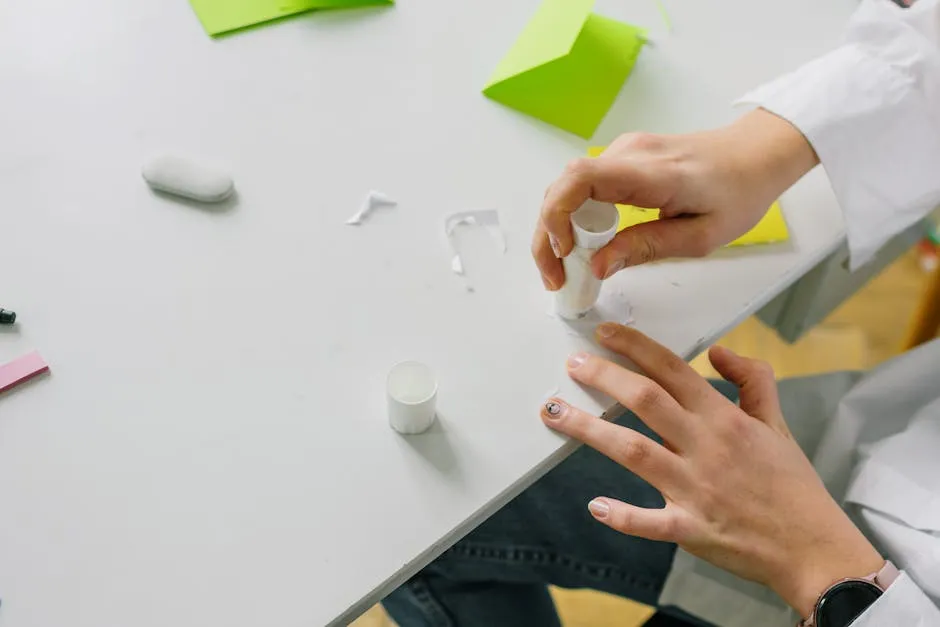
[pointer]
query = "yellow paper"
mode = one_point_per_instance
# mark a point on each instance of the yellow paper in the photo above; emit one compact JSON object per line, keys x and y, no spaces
{"x":771,"y":229}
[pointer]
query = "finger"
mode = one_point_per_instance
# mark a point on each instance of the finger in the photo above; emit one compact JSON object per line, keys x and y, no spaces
{"x":549,"y":265}
{"x":582,"y":179}
{"x":660,"y":364}
{"x":642,"y":396}
{"x":756,"y":382}
{"x":663,"y":525}
{"x":685,"y":236}
{"x":647,"y":459}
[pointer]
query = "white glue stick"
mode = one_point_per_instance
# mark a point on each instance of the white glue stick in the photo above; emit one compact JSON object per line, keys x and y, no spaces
{"x":594,"y":225}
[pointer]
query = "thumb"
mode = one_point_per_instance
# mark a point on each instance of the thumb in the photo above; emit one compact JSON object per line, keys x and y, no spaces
{"x":663,"y":524}
{"x":757,"y":385}
{"x":682,"y":236}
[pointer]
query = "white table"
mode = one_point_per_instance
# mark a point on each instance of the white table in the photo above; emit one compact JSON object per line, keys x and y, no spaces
{"x":211,"y":448}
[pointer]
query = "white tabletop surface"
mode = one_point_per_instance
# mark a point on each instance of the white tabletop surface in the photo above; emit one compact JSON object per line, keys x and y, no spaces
{"x":211,"y":447}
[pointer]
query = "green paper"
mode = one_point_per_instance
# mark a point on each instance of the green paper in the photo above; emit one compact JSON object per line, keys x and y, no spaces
{"x":567,"y":66}
{"x":222,"y":16}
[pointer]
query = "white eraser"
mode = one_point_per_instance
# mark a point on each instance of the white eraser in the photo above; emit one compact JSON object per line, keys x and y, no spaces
{"x":411,"y":389}
{"x":180,"y":177}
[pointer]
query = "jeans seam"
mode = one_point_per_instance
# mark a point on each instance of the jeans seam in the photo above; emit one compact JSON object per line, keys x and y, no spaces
{"x":530,"y":555}
{"x":428,"y":604}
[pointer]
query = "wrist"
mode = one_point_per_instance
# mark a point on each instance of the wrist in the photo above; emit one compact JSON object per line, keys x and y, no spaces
{"x":772,"y":150}
{"x":807,"y":579}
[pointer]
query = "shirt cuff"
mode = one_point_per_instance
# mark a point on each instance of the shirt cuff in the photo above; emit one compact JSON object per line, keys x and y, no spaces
{"x":902,"y":604}
{"x":874,"y":133}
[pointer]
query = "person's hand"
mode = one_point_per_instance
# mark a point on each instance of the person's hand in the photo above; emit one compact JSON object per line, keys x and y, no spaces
{"x":739,"y":491}
{"x":711,"y":186}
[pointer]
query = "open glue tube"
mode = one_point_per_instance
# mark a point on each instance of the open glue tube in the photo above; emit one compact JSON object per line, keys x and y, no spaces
{"x":593,"y":225}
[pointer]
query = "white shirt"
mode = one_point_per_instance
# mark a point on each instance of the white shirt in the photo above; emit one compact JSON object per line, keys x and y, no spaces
{"x":871,"y":110}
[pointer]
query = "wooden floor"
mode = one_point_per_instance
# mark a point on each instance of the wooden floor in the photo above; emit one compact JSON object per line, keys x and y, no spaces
{"x":866,"y":330}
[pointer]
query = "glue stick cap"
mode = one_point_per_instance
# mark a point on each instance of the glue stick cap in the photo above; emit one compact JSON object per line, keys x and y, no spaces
{"x":595,"y":224}
{"x":411,"y":388}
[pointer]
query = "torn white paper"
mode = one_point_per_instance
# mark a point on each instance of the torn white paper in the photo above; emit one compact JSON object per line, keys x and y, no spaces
{"x":486,"y":218}
{"x":372,"y":202}
{"x":612,"y":306}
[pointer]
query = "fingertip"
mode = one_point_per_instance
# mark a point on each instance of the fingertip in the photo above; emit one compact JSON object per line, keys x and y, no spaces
{"x":563,"y":198}
{"x":606,"y":263}
{"x":553,"y":276}
{"x":717,"y":357}
{"x":600,"y":509}
{"x":576,"y":361}
{"x":607,"y":331}
{"x":548,"y":283}
{"x":550,"y":268}
{"x":555,"y":245}
{"x":719,"y":352}
{"x":561,"y":244}
{"x":553,"y":410}
{"x":599,"y":264}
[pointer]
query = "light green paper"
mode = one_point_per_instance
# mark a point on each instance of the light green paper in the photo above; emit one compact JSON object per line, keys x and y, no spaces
{"x":665,"y":15}
{"x":567,"y":66}
{"x":222,"y":16}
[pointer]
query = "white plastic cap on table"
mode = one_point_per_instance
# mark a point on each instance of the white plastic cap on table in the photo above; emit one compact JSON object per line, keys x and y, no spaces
{"x":411,"y":389}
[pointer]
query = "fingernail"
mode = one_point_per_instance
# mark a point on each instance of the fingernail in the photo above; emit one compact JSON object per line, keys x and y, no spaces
{"x":599,"y":508}
{"x":556,"y":247}
{"x":577,"y":360}
{"x":608,"y":330}
{"x":614,"y":268}
{"x":555,"y":410}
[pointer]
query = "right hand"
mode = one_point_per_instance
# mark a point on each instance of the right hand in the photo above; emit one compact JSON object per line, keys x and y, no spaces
{"x":739,"y":492}
{"x":711,"y":186}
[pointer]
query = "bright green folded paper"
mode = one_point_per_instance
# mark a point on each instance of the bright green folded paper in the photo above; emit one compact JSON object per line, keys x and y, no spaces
{"x":567,"y":66}
{"x":222,"y":16}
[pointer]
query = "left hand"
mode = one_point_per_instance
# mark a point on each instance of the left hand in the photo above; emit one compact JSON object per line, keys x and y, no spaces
{"x":739,"y":491}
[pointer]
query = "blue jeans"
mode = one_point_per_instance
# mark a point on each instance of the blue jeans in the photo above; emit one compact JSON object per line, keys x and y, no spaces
{"x":497,"y":576}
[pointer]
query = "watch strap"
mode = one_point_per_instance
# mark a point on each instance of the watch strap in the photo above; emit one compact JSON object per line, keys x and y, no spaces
{"x":882,"y":579}
{"x":888,"y":574}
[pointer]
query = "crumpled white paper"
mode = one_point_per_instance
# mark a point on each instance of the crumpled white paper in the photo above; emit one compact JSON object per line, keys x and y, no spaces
{"x":372,"y":202}
{"x":486,"y":218}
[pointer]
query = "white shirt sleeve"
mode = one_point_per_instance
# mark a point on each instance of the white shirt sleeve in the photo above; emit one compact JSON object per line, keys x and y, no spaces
{"x":903,"y":604}
{"x":871,"y":110}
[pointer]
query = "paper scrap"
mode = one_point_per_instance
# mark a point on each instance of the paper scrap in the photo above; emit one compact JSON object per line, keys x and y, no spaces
{"x":613,"y":305}
{"x":664,"y":14}
{"x":21,"y":369}
{"x":567,"y":66}
{"x":372,"y":202}
{"x":223,"y":16}
{"x":487,"y":218}
{"x":770,"y":230}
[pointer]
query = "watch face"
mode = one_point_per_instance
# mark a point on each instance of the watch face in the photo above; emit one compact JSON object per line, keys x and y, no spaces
{"x":845,"y":602}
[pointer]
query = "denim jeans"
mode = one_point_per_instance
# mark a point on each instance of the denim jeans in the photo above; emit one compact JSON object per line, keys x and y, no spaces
{"x":497,"y":576}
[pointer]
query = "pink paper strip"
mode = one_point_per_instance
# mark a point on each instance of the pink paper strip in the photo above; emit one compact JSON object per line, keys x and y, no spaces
{"x":21,"y":369}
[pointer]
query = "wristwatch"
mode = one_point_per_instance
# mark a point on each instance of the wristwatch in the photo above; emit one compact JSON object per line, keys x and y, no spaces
{"x":848,"y":599}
